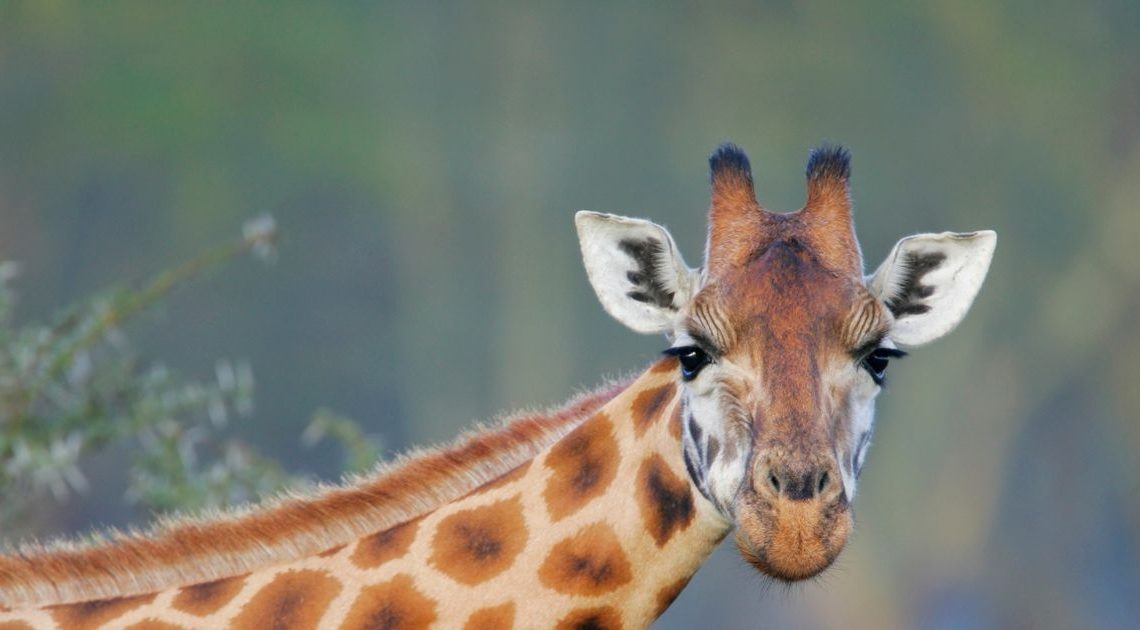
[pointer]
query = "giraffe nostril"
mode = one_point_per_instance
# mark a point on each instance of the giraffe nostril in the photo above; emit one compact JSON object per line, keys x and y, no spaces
{"x":823,"y":479}
{"x":775,"y":481}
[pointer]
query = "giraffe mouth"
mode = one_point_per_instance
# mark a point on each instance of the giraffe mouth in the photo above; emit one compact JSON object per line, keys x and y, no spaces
{"x":791,"y":540}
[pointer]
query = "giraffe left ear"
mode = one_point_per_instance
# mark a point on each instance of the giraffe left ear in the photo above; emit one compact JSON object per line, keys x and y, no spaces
{"x":929,"y":281}
{"x":636,"y":270}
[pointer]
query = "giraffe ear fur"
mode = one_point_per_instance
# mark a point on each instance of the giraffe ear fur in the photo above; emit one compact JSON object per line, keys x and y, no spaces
{"x":636,"y":270}
{"x":929,"y":281}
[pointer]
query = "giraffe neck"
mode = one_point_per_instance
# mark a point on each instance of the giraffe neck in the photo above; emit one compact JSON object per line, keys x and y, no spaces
{"x":603,"y":529}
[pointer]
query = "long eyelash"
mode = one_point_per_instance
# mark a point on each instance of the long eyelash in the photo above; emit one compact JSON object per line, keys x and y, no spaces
{"x":894,"y":353}
{"x":866,"y":348}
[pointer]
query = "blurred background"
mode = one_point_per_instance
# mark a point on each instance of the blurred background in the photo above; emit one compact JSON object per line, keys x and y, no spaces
{"x":423,"y":162}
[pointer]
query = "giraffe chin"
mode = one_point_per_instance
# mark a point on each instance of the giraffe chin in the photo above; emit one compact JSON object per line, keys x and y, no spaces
{"x":791,"y":540}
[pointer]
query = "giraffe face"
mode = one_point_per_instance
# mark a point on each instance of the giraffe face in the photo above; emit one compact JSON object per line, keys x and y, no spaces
{"x":777,"y":420}
{"x":782,"y":345}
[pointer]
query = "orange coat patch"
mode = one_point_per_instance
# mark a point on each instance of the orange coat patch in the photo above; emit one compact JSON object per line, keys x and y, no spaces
{"x":391,"y":605}
{"x":666,"y":500}
{"x":591,"y":562}
{"x":294,"y":599}
{"x":495,"y":618}
{"x":475,"y":545}
{"x":649,"y":406}
{"x":584,"y":465}
{"x":376,"y":549}
{"x":208,"y":597}
{"x":601,"y":618}
{"x":95,"y":613}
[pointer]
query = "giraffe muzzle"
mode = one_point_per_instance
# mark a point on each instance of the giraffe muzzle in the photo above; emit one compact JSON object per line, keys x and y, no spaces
{"x":793,"y":518}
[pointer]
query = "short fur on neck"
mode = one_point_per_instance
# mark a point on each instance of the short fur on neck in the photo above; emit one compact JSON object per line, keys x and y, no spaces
{"x":191,"y":549}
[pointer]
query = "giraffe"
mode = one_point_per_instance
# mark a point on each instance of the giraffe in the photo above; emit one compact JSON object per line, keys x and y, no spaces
{"x":757,"y":418}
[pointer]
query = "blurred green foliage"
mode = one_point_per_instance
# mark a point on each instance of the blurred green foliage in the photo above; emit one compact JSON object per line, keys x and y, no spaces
{"x":77,"y":386}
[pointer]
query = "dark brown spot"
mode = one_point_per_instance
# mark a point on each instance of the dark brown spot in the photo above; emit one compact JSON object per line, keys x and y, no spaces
{"x":208,"y":597}
{"x":96,"y":613}
{"x":668,"y":594}
{"x":376,"y":549}
{"x":495,"y":618}
{"x":584,"y":464}
{"x":666,"y":500}
{"x":591,"y":562}
{"x":649,"y":406}
{"x":601,"y":618}
{"x":911,"y":291}
{"x":293,"y":600}
{"x":695,"y":429}
{"x":392,"y":605}
{"x":695,"y":474}
{"x":712,"y":452}
{"x":475,"y":545}
{"x":648,"y":283}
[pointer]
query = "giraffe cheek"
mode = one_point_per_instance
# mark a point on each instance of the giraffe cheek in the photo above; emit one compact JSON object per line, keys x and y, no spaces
{"x":727,"y":473}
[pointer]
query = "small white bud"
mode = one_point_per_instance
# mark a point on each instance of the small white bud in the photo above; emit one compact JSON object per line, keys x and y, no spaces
{"x":260,"y":234}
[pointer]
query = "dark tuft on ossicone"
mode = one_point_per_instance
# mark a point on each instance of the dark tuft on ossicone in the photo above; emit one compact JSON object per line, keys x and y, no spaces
{"x":729,"y":160}
{"x":829,"y":161}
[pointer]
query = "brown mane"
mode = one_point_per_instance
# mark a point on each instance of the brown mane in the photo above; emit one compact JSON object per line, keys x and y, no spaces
{"x":188,"y":550}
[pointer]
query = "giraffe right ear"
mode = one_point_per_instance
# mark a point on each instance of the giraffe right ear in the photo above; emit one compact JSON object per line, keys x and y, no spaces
{"x":636,"y":270}
{"x":929,"y":281}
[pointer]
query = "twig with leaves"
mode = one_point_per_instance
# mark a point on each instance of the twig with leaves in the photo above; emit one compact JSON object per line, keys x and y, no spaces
{"x":76,"y":386}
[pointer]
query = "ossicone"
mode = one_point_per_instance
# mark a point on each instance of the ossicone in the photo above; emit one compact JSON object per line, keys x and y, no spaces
{"x":827,"y":213}
{"x":828,"y":175}
{"x":829,"y":162}
{"x":731,"y":175}
{"x":729,"y":162}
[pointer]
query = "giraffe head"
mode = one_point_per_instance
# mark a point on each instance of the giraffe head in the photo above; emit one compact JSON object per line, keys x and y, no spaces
{"x":782,"y":345}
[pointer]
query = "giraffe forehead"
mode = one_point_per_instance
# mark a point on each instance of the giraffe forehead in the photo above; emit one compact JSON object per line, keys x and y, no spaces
{"x":782,"y":300}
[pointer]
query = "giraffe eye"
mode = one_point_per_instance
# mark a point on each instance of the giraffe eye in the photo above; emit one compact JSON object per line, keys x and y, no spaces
{"x":876,"y":362}
{"x":692,"y":359}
